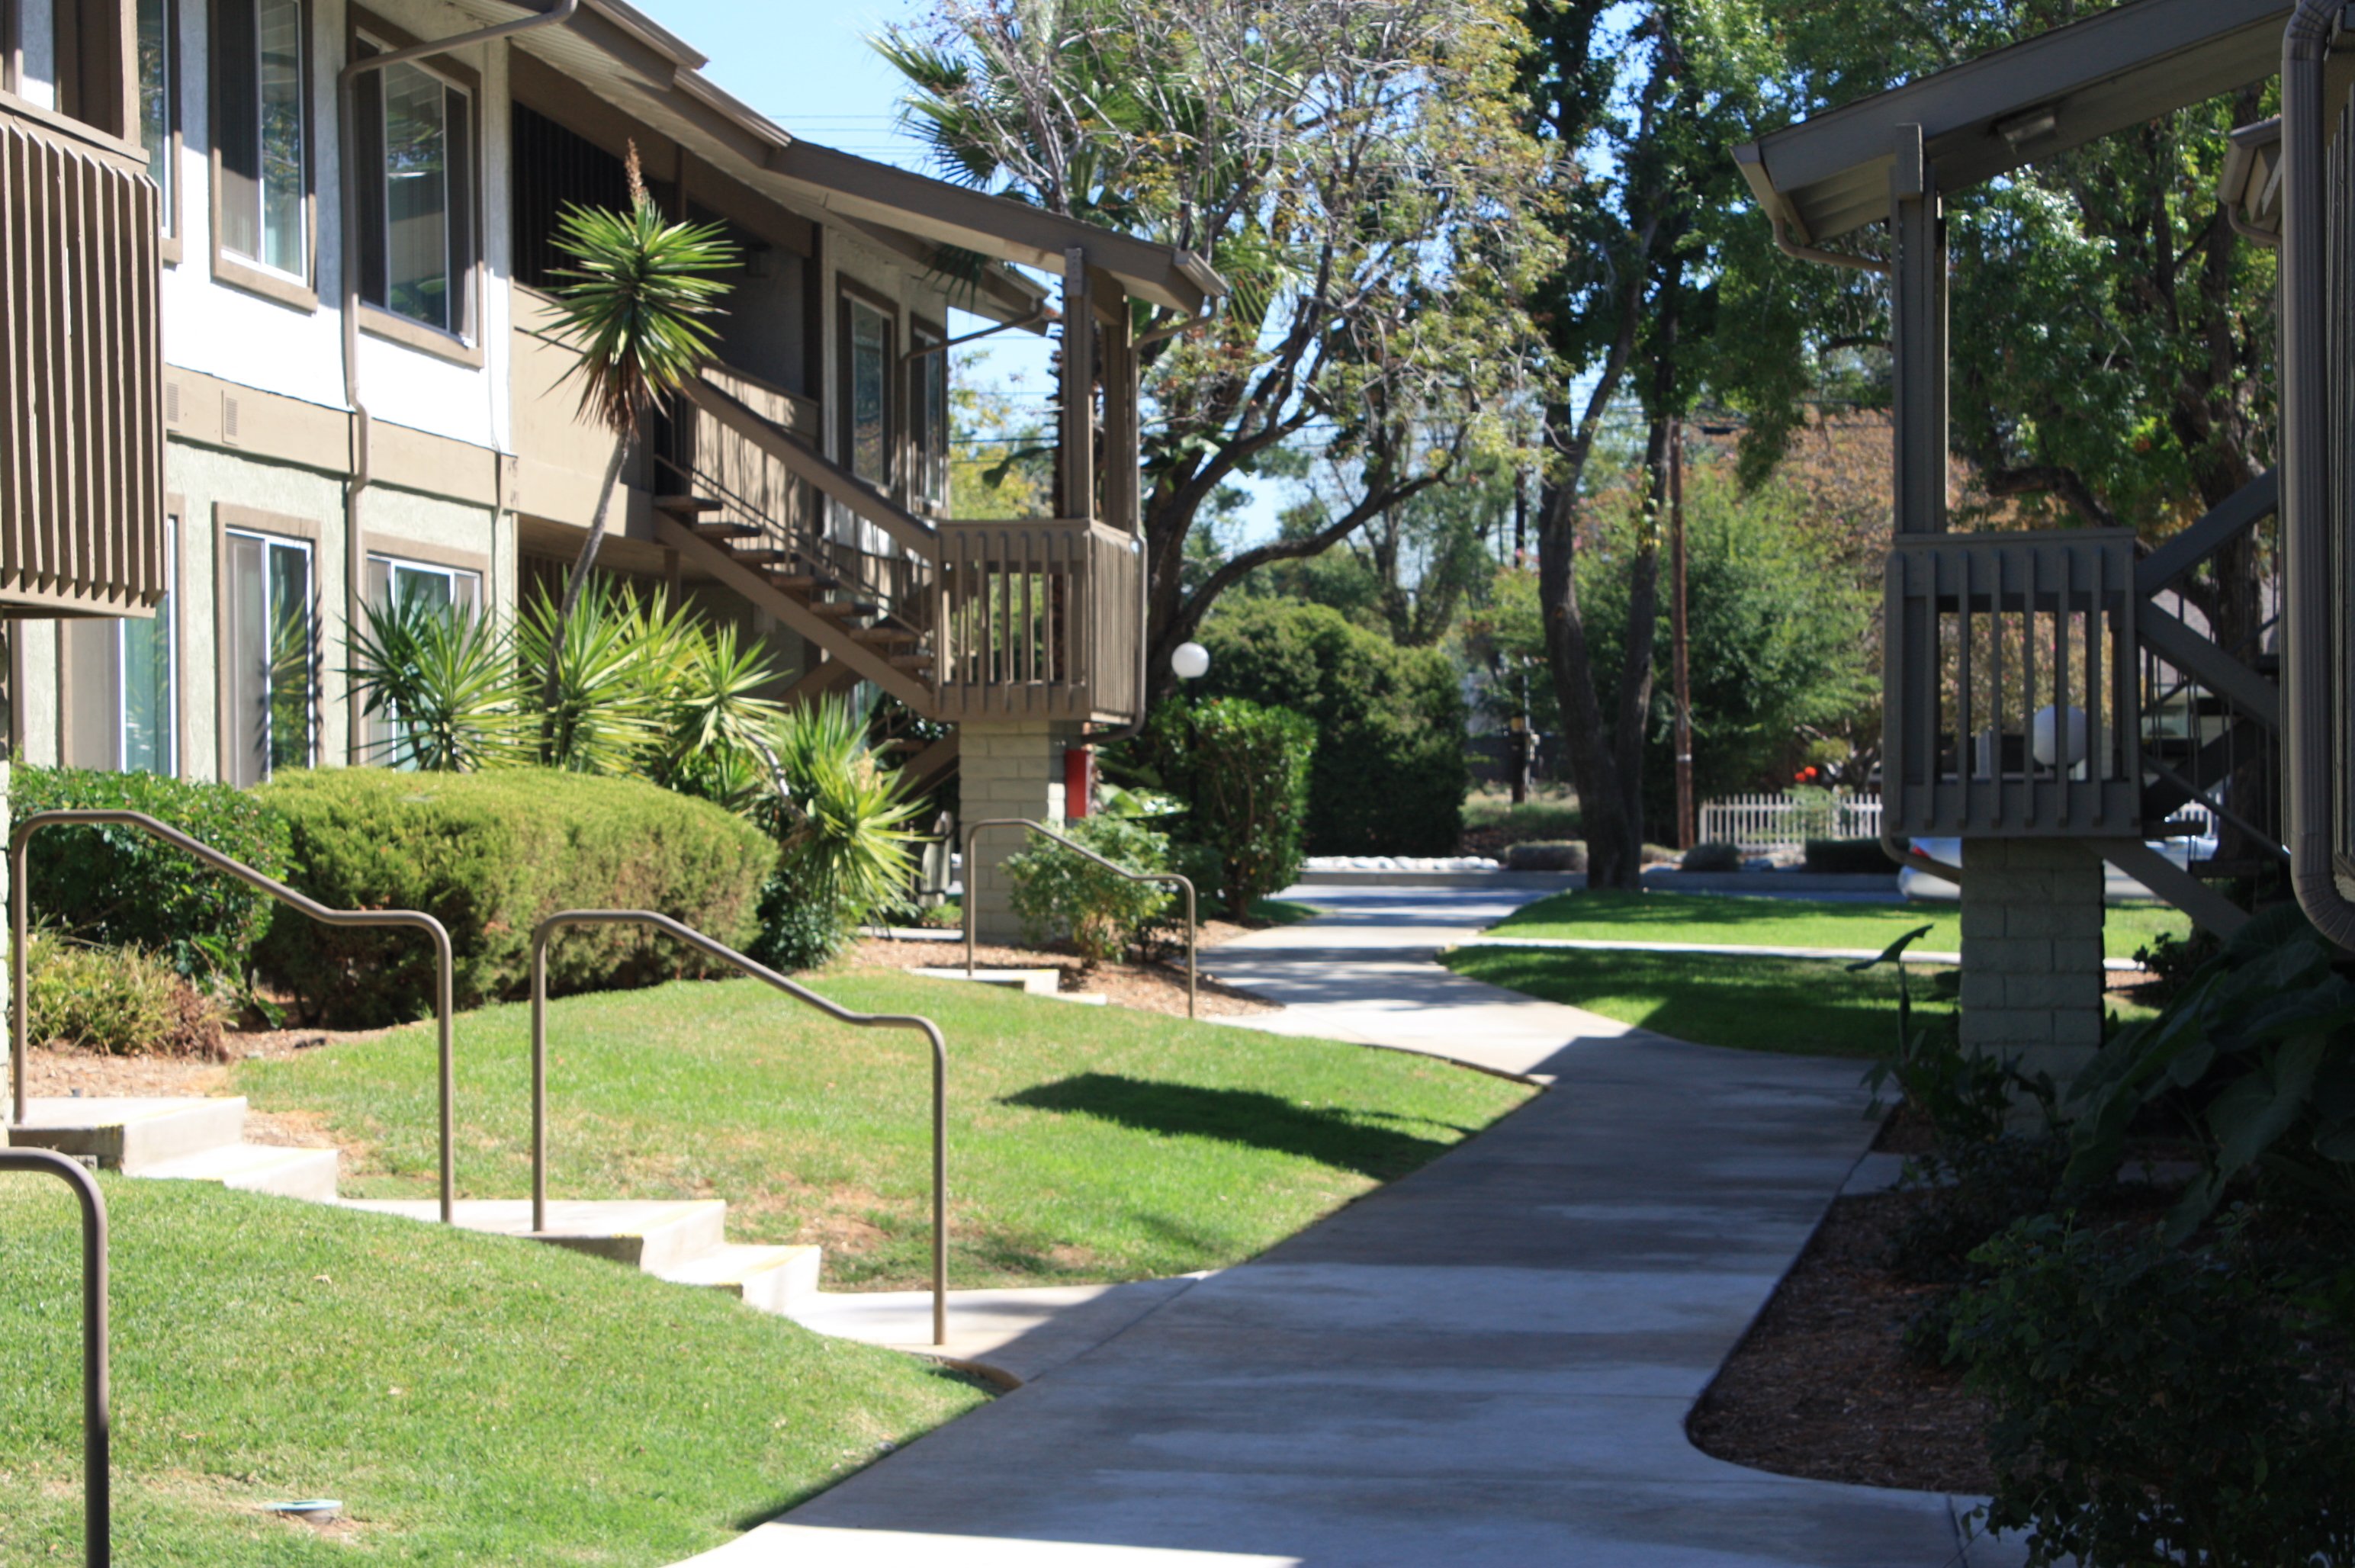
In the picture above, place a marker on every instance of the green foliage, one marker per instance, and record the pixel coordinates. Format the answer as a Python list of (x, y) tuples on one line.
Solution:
[(1546, 855), (1966, 1097), (599, 711), (1388, 775), (846, 849), (1967, 1193), (490, 855), (1058, 893), (444, 682), (636, 302), (2259, 1045), (1849, 858), (1245, 770), (2153, 1406), (118, 887), (1716, 858), (121, 1001)]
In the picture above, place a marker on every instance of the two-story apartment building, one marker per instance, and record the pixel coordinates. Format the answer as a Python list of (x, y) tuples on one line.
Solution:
[(353, 209)]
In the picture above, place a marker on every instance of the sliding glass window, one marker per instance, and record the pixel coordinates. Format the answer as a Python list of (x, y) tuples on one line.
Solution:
[(416, 202), (267, 650), (260, 55), (150, 667), (447, 590), (158, 98)]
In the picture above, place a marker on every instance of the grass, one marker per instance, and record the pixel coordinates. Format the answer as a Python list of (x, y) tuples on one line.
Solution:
[(1084, 1143), (469, 1399), (1802, 1005), (1791, 922), (1284, 912), (1540, 816)]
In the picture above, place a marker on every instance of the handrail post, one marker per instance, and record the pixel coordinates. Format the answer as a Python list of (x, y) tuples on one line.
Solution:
[(973, 877), (544, 932), (96, 1394), (444, 1002)]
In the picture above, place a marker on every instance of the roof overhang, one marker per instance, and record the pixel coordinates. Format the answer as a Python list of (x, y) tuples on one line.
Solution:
[(2000, 112), (653, 76)]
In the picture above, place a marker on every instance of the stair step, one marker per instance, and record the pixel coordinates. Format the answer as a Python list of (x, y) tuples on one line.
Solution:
[(131, 1135), (688, 505), (771, 1279), (763, 557), (791, 582), (913, 662), (722, 532), (884, 634), (654, 1236), (307, 1173), (842, 609)]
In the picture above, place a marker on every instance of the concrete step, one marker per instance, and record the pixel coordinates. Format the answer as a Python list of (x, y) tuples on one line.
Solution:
[(772, 1279), (128, 1135), (654, 1236), (307, 1173)]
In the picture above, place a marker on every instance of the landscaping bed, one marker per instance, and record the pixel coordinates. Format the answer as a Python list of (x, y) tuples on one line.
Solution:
[(467, 1399), (1086, 1144), (1151, 987)]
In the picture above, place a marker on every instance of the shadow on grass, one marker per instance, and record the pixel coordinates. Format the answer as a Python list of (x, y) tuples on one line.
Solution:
[(1616, 913), (1235, 1116)]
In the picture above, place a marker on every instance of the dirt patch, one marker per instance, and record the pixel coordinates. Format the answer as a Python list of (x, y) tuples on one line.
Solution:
[(1152, 987), (1822, 1386), (64, 1073)]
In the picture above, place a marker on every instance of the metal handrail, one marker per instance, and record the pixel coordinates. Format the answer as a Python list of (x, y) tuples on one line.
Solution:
[(415, 919), (973, 881), (98, 1505), (545, 932)]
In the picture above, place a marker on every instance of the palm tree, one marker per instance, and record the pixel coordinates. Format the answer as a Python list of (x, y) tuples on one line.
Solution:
[(636, 307)]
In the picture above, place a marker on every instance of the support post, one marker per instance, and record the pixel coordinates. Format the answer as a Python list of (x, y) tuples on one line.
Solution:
[(1077, 454), (1687, 828)]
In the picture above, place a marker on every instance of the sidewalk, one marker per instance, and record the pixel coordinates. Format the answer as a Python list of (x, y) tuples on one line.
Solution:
[(1487, 1363)]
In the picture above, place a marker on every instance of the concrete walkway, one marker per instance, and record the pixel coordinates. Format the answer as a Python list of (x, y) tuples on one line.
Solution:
[(1487, 1363), (1734, 949)]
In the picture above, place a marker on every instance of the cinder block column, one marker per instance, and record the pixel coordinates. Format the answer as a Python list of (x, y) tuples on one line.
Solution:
[(2032, 982), (1012, 769)]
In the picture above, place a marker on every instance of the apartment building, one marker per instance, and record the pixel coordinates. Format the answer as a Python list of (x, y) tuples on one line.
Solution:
[(343, 302)]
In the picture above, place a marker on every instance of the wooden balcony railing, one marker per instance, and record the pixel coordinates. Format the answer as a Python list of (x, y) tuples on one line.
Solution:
[(2011, 704), (1036, 620), (81, 416)]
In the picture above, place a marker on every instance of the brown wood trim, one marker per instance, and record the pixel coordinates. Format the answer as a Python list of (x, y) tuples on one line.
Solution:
[(394, 327), (128, 156), (463, 347), (871, 295), (227, 514), (393, 547), (303, 294), (176, 507), (12, 59), (169, 242)]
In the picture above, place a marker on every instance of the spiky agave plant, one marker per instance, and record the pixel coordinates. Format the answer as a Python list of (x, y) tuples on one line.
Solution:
[(842, 826), (599, 711), (445, 683), (636, 305)]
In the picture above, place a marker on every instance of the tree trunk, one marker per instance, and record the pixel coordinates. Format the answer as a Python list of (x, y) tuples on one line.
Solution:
[(584, 564)]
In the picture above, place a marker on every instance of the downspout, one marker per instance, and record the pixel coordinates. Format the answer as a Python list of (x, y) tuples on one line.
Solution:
[(2306, 470), (363, 434), (1790, 247)]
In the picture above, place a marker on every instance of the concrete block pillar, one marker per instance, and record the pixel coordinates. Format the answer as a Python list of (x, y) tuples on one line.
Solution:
[(2033, 979), (1010, 769)]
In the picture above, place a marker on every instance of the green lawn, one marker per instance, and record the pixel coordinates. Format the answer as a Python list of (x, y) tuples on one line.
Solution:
[(470, 1399), (1790, 923), (1084, 1143), (1808, 1006)]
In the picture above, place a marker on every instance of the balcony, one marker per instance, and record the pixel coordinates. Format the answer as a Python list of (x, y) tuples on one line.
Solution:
[(81, 416)]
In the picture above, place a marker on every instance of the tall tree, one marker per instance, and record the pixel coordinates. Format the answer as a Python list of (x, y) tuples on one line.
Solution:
[(1357, 171)]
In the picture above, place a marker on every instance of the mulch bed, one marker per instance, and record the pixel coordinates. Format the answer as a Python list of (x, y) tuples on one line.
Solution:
[(1159, 988), (1822, 1387)]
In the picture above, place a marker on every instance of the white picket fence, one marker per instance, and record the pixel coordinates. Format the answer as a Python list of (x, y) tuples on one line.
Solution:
[(1761, 822)]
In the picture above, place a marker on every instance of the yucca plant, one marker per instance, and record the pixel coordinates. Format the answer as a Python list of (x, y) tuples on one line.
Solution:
[(842, 826), (636, 305), (598, 711), (444, 682)]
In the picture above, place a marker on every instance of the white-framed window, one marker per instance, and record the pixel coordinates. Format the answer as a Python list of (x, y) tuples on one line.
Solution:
[(867, 390), (147, 655), (417, 201), (260, 56), (269, 656), (392, 580), (928, 412), (159, 101)]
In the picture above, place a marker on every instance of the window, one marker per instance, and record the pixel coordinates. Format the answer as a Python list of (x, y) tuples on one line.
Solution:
[(261, 56), (121, 708), (267, 657), (867, 390), (395, 581), (86, 63), (928, 411), (417, 206), (159, 117)]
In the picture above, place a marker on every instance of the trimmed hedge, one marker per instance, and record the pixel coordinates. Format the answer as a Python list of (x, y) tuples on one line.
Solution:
[(1849, 858), (1244, 771), (118, 887), (1546, 855), (490, 855), (1390, 773)]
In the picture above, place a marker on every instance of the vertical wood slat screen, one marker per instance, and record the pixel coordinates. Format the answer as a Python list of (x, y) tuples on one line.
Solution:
[(1037, 620), (81, 427)]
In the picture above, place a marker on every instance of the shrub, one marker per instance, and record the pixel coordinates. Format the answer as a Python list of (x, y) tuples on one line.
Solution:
[(1849, 858), (120, 1001), (490, 855), (1245, 769), (118, 887), (1057, 891), (2153, 1406), (1389, 775), (1712, 858), (1546, 855), (845, 851)]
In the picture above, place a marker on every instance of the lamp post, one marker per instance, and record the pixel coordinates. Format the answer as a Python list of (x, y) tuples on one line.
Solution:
[(1190, 661)]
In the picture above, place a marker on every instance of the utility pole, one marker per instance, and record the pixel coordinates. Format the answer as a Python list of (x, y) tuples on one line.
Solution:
[(1681, 633)]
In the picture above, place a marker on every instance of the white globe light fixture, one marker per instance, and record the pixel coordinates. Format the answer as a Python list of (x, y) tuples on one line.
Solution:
[(1190, 661), (2046, 736)]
